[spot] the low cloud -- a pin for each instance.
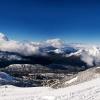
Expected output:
(91, 56)
(22, 48)
(88, 54)
(55, 43)
(26, 48)
(87, 59)
(16, 46)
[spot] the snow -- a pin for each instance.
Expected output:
(58, 51)
(70, 81)
(85, 91)
(5, 76)
(89, 54)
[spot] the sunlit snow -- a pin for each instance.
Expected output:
(85, 91)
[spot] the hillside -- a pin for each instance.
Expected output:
(89, 90)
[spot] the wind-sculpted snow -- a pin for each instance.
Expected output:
(78, 78)
(85, 91)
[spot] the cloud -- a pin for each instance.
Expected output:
(16, 46)
(22, 48)
(91, 56)
(27, 48)
(87, 59)
(55, 43)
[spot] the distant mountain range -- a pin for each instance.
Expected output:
(40, 63)
(48, 52)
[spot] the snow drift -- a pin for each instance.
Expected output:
(85, 91)
(78, 78)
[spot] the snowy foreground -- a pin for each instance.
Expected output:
(85, 91)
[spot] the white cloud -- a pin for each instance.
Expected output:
(89, 54)
(55, 42)
(87, 59)
(15, 46)
(22, 48)
(27, 48)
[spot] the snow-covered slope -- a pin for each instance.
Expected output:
(85, 91)
(78, 78)
(5, 78)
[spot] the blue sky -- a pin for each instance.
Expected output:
(71, 20)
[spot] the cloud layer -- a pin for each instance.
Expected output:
(88, 53)
(27, 48)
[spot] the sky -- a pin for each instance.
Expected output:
(35, 20)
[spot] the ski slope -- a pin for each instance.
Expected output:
(84, 91)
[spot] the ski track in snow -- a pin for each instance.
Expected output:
(85, 91)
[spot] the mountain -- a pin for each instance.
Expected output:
(5, 78)
(78, 78)
(53, 51)
(89, 90)
(51, 63)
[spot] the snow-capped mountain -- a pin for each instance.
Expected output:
(50, 57)
(49, 50)
(89, 54)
